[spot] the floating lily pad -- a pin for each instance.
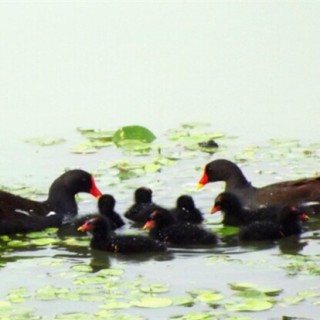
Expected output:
(101, 135)
(109, 305)
(242, 286)
(44, 241)
(74, 316)
(17, 295)
(152, 302)
(155, 288)
(45, 141)
(183, 301)
(249, 305)
(18, 243)
(137, 133)
(82, 268)
(210, 297)
(196, 316)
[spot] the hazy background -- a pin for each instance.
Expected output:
(250, 68)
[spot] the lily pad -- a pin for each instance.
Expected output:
(243, 286)
(210, 297)
(45, 141)
(249, 305)
(134, 132)
(151, 302)
(44, 241)
(155, 288)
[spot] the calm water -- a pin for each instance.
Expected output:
(181, 270)
(249, 69)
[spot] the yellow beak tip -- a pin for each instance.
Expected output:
(199, 186)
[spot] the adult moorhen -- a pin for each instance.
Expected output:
(163, 227)
(186, 211)
(103, 238)
(287, 224)
(293, 192)
(18, 214)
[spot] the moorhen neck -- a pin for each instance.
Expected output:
(186, 210)
(287, 224)
(163, 227)
(103, 238)
(293, 192)
(15, 210)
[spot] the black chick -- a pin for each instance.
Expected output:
(165, 228)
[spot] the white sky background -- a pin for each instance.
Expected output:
(250, 68)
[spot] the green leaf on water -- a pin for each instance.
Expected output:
(249, 305)
(107, 273)
(45, 141)
(18, 243)
(85, 147)
(292, 300)
(49, 292)
(82, 268)
(17, 295)
(210, 297)
(76, 242)
(183, 301)
(135, 146)
(155, 288)
(134, 132)
(5, 304)
(101, 135)
(112, 305)
(44, 241)
(74, 316)
(244, 286)
(151, 302)
(196, 316)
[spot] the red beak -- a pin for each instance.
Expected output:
(85, 227)
(148, 225)
(303, 217)
(215, 209)
(203, 181)
(94, 189)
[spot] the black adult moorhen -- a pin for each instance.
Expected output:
(143, 206)
(186, 210)
(103, 238)
(287, 224)
(293, 192)
(18, 214)
(165, 228)
(235, 215)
